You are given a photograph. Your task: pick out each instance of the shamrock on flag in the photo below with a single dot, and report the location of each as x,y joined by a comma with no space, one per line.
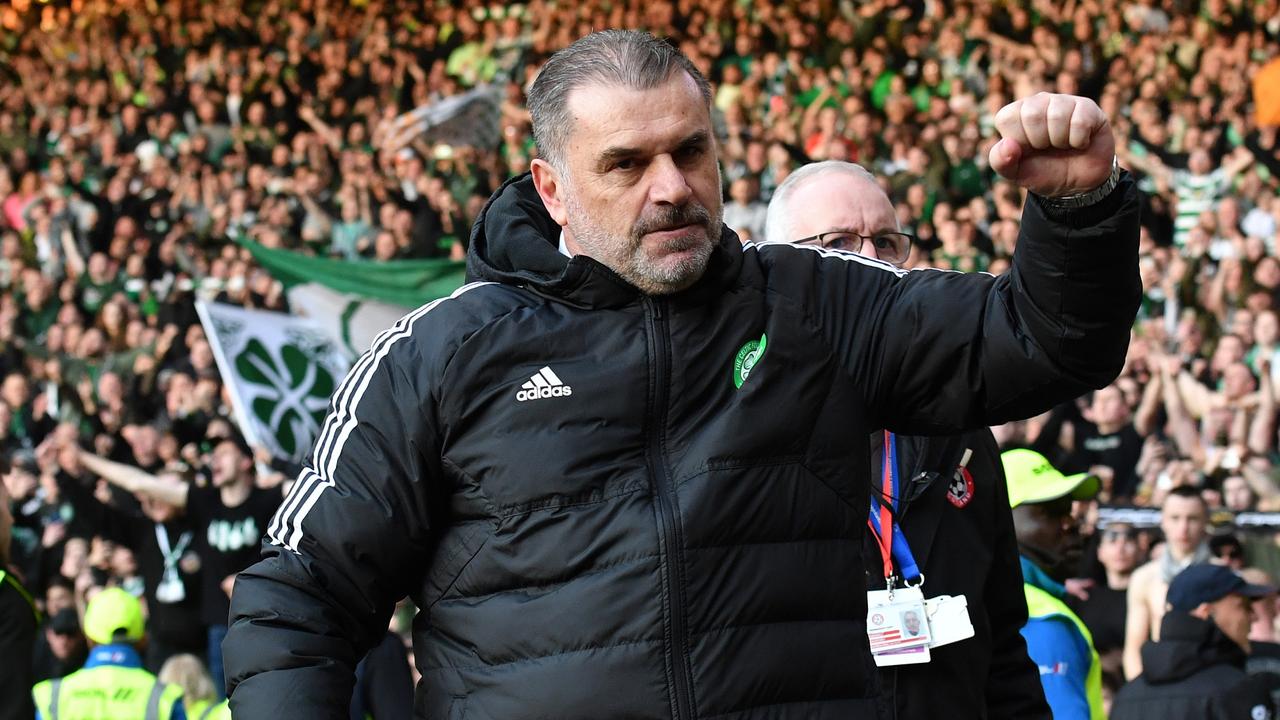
280,370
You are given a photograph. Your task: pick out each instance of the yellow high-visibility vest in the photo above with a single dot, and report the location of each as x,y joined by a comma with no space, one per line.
1041,604
106,691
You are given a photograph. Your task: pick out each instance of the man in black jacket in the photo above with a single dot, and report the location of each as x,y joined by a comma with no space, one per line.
954,504
18,622
1196,670
619,474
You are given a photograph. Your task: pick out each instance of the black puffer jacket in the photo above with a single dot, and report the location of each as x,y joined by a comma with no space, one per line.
1193,673
598,521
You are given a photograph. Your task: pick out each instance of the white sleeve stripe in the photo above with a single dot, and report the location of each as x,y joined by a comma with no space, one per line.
827,252
286,527
862,259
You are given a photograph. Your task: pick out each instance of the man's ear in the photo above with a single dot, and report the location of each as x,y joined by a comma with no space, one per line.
1204,611
551,189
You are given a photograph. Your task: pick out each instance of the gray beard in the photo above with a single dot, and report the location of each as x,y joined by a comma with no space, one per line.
627,257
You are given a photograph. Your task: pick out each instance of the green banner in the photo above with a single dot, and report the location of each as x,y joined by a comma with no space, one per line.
408,283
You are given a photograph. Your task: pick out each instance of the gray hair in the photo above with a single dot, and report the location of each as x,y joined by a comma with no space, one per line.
621,58
777,224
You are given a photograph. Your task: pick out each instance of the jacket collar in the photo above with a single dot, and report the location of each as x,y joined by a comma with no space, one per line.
1034,576
115,654
1187,645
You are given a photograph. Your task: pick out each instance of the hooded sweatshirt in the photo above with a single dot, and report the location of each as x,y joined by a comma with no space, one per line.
1194,672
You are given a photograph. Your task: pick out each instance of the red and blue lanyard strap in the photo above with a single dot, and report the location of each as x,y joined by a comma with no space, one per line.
884,508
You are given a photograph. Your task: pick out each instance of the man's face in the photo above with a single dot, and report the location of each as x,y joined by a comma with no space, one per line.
1183,521
1049,534
911,621
639,189
56,599
1235,494
1233,615
839,201
1108,406
226,464
62,644
1118,550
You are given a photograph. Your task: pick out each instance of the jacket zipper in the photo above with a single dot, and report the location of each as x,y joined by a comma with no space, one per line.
668,517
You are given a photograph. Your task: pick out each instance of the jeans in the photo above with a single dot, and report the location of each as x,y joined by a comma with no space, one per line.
216,634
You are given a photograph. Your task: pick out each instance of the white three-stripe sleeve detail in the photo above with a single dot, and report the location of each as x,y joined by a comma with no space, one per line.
286,527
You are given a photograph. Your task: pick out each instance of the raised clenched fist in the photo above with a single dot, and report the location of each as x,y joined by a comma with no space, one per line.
1054,145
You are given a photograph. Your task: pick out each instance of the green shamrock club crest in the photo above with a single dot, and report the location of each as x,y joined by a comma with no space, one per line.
289,392
748,356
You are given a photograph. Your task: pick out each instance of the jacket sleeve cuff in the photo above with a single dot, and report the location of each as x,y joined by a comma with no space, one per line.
1088,216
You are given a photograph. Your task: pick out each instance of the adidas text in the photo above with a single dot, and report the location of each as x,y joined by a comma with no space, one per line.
543,384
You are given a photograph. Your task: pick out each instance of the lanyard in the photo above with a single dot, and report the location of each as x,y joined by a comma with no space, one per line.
884,505
171,556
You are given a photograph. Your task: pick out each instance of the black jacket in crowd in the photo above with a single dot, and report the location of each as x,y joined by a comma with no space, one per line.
959,527
1193,672
598,522
19,621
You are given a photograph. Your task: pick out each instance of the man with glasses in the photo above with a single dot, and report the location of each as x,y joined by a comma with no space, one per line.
952,509
1103,612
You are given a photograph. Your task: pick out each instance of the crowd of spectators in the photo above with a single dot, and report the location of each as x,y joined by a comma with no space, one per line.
139,140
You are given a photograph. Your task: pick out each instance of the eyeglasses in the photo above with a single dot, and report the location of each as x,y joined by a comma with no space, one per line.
1117,535
891,247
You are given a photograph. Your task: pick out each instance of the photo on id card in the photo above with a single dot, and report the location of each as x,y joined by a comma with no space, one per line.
900,625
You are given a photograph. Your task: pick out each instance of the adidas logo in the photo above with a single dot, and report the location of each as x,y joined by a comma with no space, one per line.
543,384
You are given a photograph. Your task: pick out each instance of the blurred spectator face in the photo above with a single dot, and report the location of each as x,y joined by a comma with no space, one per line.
19,483
122,562
1199,163
58,598
180,387
385,247
1118,549
202,356
1108,407
740,191
14,391
1230,350
1183,521
75,558
1266,328
1236,494
1237,381
228,464
63,644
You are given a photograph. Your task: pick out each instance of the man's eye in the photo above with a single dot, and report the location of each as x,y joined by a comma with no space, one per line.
690,153
842,241
627,164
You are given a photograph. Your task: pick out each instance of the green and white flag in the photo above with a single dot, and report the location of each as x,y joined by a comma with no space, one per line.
354,300
279,370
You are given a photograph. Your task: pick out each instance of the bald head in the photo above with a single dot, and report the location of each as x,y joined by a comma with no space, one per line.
827,196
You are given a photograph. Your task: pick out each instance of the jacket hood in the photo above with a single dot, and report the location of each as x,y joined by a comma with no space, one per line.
516,242
1187,645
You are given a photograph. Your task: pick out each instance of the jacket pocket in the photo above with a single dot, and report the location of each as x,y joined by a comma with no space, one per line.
457,707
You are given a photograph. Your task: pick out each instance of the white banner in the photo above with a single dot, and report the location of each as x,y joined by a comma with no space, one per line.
350,321
279,370
467,119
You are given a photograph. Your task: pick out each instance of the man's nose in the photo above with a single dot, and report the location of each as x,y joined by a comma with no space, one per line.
667,182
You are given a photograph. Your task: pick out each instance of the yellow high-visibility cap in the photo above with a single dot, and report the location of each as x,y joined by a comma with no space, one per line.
113,615
1032,479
